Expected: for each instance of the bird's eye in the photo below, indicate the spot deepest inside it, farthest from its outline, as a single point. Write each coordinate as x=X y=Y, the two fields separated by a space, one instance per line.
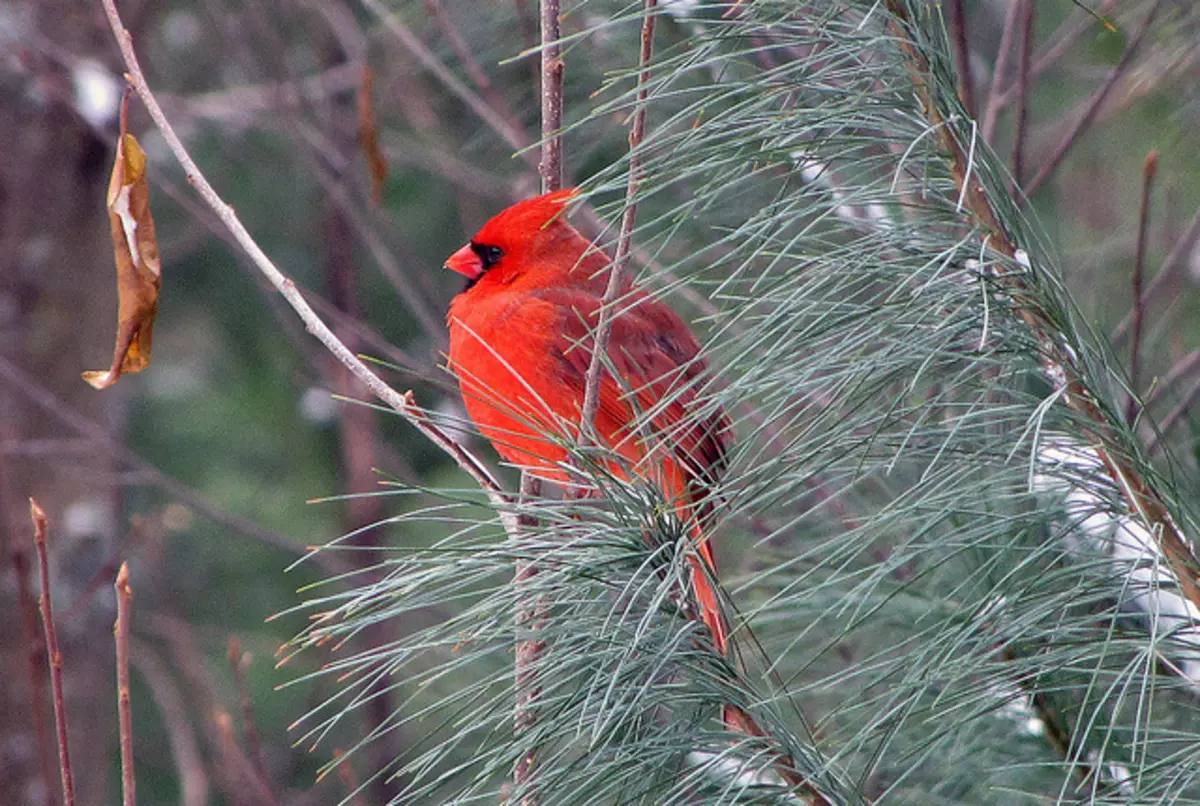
x=488 y=255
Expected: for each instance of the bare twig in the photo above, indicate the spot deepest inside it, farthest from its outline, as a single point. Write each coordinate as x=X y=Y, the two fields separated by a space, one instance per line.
x=239 y=661
x=991 y=109
x=550 y=166
x=1135 y=343
x=37 y=700
x=1018 y=149
x=1092 y=105
x=530 y=617
x=239 y=764
x=962 y=55
x=403 y=404
x=637 y=130
x=53 y=653
x=1175 y=261
x=124 y=703
x=1180 y=369
x=1057 y=43
x=1174 y=417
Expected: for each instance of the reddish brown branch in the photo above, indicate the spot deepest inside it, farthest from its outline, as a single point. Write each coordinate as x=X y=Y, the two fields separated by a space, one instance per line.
x=1092 y=106
x=550 y=167
x=991 y=109
x=1135 y=343
x=1175 y=261
x=239 y=662
x=37 y=687
x=124 y=703
x=962 y=56
x=53 y=653
x=1018 y=150
x=530 y=617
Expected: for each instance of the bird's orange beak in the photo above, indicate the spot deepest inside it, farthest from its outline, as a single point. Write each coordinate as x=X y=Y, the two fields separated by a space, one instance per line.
x=466 y=263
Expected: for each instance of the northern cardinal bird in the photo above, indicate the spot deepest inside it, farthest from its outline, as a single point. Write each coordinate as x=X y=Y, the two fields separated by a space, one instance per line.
x=521 y=340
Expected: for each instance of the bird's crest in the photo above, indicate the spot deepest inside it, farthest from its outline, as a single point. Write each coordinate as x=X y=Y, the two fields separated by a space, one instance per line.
x=527 y=216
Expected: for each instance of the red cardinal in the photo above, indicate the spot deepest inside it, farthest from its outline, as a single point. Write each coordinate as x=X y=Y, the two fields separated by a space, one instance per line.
x=521 y=342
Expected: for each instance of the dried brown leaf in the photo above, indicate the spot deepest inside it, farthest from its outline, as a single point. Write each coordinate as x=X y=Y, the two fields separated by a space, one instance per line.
x=139 y=274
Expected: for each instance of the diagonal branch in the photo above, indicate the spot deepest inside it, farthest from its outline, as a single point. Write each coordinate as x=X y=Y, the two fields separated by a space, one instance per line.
x=637 y=131
x=403 y=404
x=1093 y=105
x=1175 y=261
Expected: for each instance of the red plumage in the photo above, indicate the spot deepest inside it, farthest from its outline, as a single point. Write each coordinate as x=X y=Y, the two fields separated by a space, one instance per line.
x=521 y=342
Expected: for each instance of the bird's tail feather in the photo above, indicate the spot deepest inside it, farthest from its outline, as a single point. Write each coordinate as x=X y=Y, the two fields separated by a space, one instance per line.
x=704 y=570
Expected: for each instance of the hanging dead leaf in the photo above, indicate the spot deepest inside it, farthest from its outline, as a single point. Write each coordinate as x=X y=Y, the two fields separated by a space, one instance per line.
x=368 y=137
x=139 y=273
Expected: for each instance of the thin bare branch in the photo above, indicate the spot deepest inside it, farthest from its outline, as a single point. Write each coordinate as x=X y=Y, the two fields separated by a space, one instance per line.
x=239 y=661
x=36 y=649
x=53 y=653
x=1092 y=105
x=1135 y=344
x=124 y=702
x=637 y=130
x=530 y=618
x=1018 y=149
x=550 y=166
x=1175 y=261
x=991 y=108
x=403 y=404
x=962 y=55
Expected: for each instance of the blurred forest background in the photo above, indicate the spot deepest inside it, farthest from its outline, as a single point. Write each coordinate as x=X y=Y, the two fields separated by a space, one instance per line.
x=199 y=471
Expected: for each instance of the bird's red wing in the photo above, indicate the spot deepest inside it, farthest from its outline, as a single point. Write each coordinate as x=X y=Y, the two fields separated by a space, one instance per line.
x=657 y=366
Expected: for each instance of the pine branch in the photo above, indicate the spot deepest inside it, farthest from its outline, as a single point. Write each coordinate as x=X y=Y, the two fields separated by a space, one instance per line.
x=1060 y=366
